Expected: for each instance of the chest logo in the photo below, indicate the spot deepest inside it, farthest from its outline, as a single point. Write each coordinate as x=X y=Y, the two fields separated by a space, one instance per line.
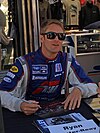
x=58 y=67
x=39 y=69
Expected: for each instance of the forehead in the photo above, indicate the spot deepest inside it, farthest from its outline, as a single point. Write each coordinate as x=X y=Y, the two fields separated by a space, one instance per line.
x=54 y=27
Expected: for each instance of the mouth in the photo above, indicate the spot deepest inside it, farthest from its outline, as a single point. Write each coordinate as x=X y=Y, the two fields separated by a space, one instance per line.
x=55 y=44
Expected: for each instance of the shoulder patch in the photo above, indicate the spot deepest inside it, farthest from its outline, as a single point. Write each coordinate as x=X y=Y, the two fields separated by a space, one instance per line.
x=14 y=69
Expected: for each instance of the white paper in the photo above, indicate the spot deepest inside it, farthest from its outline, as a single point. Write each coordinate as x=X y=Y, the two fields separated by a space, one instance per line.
x=87 y=126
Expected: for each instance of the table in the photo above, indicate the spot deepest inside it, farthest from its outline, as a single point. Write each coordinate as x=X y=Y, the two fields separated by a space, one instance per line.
x=17 y=122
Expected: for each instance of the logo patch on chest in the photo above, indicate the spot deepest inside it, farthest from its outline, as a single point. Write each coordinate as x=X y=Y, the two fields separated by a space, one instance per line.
x=39 y=77
x=58 y=67
x=39 y=69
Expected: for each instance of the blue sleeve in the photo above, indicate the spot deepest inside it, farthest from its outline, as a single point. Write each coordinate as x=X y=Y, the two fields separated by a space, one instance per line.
x=12 y=78
x=79 y=72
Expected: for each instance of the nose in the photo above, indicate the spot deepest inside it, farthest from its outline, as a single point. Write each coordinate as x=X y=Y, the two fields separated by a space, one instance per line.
x=57 y=41
x=56 y=38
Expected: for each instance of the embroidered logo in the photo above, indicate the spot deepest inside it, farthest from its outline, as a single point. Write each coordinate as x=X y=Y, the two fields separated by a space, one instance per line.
x=39 y=77
x=14 y=69
x=9 y=74
x=7 y=79
x=39 y=69
x=58 y=67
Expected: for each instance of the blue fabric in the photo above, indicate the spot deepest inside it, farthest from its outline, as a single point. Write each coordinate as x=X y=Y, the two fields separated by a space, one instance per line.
x=46 y=77
x=13 y=76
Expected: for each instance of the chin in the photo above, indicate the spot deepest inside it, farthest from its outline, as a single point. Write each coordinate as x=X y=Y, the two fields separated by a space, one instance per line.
x=55 y=52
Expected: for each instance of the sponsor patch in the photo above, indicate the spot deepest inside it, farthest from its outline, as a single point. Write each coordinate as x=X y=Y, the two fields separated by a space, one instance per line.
x=39 y=77
x=14 y=69
x=11 y=75
x=50 y=89
x=39 y=69
x=7 y=79
x=58 y=67
x=59 y=74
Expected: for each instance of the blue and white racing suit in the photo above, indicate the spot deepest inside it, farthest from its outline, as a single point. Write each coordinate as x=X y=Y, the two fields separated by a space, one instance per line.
x=33 y=76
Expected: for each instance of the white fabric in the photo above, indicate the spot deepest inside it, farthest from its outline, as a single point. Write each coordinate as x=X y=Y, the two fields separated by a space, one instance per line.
x=72 y=11
x=12 y=100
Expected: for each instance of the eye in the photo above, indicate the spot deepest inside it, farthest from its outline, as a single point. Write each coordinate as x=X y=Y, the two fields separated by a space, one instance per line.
x=51 y=35
x=61 y=36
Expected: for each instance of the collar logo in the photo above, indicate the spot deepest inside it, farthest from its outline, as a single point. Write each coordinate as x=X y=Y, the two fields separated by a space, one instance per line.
x=14 y=69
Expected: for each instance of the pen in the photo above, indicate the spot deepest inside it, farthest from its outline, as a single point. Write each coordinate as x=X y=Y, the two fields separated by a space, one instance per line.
x=26 y=101
x=97 y=111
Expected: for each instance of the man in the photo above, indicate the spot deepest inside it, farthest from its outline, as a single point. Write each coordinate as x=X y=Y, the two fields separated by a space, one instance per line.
x=40 y=76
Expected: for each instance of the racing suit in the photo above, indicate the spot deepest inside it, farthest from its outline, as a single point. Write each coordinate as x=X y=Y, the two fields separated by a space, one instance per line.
x=33 y=76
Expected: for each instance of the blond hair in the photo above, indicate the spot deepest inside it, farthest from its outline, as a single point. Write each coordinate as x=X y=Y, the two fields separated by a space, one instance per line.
x=48 y=22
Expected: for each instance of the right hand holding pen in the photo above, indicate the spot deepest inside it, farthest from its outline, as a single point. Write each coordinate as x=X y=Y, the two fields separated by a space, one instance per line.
x=29 y=107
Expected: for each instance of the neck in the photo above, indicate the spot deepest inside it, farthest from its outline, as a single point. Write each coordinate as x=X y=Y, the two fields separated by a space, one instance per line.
x=49 y=55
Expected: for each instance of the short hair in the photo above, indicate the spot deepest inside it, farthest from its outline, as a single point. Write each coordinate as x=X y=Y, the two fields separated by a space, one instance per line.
x=48 y=22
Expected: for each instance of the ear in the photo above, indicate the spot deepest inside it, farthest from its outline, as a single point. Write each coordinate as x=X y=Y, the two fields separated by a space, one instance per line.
x=41 y=38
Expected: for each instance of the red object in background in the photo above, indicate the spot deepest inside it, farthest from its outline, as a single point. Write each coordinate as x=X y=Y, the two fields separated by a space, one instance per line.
x=83 y=2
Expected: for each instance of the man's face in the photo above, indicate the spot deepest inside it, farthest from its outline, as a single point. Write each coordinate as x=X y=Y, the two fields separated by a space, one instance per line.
x=50 y=47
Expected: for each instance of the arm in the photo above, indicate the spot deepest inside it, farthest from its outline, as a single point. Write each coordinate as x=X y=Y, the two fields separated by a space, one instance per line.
x=14 y=103
x=9 y=101
x=13 y=90
x=82 y=86
x=78 y=78
x=10 y=93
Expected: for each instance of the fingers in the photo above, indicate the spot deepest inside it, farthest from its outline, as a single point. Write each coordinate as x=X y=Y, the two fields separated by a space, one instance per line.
x=29 y=107
x=98 y=90
x=79 y=102
x=30 y=112
x=73 y=100
x=71 y=104
x=99 y=84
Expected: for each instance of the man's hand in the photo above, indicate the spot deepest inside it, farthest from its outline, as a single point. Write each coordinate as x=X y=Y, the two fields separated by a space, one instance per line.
x=98 y=90
x=73 y=100
x=29 y=107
